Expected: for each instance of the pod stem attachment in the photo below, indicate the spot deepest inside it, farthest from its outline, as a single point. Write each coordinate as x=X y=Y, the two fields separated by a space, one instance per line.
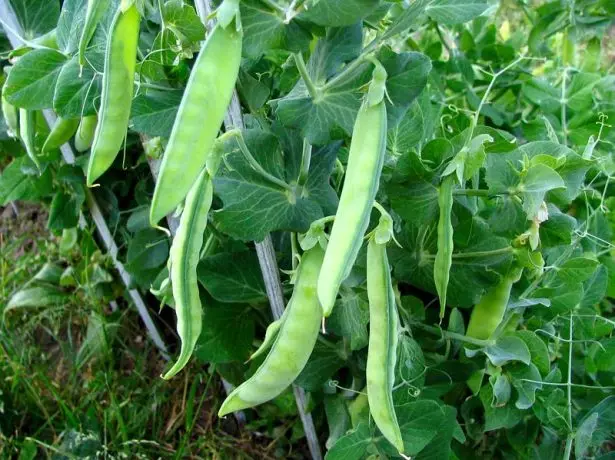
x=236 y=133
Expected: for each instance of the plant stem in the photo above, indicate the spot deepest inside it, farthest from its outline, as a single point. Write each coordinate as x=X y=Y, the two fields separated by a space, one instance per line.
x=304 y=169
x=309 y=83
x=483 y=101
x=564 y=103
x=469 y=255
x=349 y=69
x=569 y=392
x=453 y=335
x=255 y=164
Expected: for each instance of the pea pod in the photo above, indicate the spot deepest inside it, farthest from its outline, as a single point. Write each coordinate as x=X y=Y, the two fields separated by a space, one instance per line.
x=27 y=131
x=199 y=118
x=383 y=338
x=62 y=131
x=293 y=345
x=11 y=117
x=94 y=11
x=85 y=133
x=365 y=161
x=444 y=256
x=489 y=311
x=117 y=91
x=185 y=252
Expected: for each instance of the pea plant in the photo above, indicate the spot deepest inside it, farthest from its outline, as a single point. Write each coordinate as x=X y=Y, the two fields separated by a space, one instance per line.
x=425 y=184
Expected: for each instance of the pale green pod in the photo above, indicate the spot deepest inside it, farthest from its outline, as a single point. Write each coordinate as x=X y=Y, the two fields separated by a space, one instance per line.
x=293 y=345
x=382 y=351
x=27 y=132
x=117 y=92
x=11 y=117
x=185 y=252
x=365 y=160
x=199 y=118
x=93 y=14
x=85 y=133
x=444 y=255
x=62 y=131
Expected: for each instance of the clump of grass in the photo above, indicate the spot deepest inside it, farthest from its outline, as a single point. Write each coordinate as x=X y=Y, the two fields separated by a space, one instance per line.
x=79 y=379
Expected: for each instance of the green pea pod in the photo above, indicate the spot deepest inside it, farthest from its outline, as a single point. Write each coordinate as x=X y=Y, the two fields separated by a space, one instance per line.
x=117 y=91
x=366 y=157
x=27 y=131
x=85 y=133
x=11 y=117
x=382 y=351
x=444 y=256
x=489 y=311
x=185 y=252
x=93 y=14
x=199 y=118
x=293 y=345
x=62 y=131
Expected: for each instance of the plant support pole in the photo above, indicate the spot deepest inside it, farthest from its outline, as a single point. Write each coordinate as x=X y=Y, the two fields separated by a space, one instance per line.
x=8 y=15
x=266 y=257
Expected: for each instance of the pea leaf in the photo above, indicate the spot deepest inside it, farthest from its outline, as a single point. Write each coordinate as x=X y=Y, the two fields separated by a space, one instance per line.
x=148 y=249
x=36 y=17
x=538 y=350
x=469 y=277
x=64 y=211
x=154 y=113
x=32 y=80
x=578 y=269
x=333 y=114
x=338 y=13
x=455 y=11
x=227 y=333
x=353 y=445
x=183 y=21
x=350 y=317
x=254 y=206
x=267 y=29
x=498 y=417
x=323 y=362
x=506 y=349
x=233 y=277
x=78 y=90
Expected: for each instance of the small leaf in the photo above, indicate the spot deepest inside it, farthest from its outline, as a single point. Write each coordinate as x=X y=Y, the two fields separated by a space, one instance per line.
x=40 y=296
x=577 y=270
x=508 y=348
x=351 y=446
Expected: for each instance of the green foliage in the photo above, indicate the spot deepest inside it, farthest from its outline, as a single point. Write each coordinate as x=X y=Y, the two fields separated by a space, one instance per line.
x=499 y=157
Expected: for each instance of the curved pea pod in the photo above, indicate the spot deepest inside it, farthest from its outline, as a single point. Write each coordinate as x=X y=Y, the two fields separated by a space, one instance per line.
x=27 y=132
x=382 y=351
x=185 y=252
x=366 y=157
x=11 y=117
x=293 y=345
x=85 y=133
x=444 y=255
x=62 y=131
x=117 y=91
x=488 y=313
x=199 y=118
